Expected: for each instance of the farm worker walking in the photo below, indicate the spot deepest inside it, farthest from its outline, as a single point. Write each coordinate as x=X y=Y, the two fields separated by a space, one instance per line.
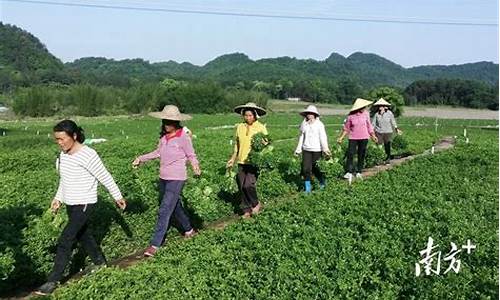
x=359 y=128
x=384 y=124
x=247 y=173
x=312 y=143
x=80 y=169
x=174 y=150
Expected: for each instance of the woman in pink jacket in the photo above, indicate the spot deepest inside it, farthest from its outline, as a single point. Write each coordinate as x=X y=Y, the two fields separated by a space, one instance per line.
x=174 y=149
x=360 y=129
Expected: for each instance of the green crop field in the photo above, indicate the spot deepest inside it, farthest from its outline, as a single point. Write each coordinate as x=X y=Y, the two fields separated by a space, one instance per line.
x=359 y=241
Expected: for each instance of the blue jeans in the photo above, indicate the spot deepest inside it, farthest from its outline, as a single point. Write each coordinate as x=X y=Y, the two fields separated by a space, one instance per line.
x=170 y=205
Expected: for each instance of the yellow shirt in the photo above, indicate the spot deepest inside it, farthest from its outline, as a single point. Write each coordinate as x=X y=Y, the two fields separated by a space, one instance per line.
x=244 y=133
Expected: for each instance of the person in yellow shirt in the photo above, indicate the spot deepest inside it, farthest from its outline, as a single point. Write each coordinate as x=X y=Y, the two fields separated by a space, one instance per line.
x=247 y=173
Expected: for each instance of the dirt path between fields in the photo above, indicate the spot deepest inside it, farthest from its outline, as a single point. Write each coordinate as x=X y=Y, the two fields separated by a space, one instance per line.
x=124 y=262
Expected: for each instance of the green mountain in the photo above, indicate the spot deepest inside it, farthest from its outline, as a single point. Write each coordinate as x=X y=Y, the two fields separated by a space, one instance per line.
x=24 y=60
x=22 y=51
x=369 y=69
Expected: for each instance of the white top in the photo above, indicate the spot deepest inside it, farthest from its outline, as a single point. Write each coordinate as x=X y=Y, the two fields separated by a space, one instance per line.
x=312 y=137
x=80 y=173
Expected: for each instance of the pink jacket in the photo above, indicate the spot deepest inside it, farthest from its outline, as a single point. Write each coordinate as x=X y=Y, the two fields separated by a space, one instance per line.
x=173 y=154
x=359 y=126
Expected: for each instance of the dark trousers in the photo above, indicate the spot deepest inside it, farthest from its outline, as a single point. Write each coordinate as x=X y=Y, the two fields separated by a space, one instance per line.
x=309 y=166
x=247 y=183
x=385 y=138
x=77 y=229
x=387 y=148
x=360 y=146
x=170 y=205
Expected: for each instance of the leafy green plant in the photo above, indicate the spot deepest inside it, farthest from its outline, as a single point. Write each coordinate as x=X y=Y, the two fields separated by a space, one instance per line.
x=399 y=143
x=332 y=168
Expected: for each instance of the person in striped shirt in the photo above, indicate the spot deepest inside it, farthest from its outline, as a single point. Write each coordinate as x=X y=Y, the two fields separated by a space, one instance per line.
x=80 y=171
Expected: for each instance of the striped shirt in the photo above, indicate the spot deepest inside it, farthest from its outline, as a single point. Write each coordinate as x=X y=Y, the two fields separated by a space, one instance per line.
x=80 y=173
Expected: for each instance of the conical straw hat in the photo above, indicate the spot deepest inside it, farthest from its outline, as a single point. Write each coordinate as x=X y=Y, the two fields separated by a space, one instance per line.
x=260 y=111
x=360 y=103
x=381 y=102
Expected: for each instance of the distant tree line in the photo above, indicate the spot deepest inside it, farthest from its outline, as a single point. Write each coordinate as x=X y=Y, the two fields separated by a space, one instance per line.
x=90 y=100
x=456 y=92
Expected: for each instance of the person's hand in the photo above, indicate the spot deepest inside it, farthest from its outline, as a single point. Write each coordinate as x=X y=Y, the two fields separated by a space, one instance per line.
x=327 y=153
x=296 y=153
x=55 y=205
x=375 y=139
x=230 y=163
x=197 y=170
x=399 y=131
x=136 y=163
x=339 y=140
x=122 y=203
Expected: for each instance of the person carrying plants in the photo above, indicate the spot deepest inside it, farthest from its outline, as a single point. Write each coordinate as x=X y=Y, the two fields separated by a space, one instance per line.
x=174 y=150
x=80 y=169
x=247 y=173
x=312 y=143
x=360 y=129
x=384 y=124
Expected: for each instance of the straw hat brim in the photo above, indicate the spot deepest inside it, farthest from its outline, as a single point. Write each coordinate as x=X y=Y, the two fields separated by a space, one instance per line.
x=163 y=115
x=360 y=103
x=260 y=111
x=381 y=102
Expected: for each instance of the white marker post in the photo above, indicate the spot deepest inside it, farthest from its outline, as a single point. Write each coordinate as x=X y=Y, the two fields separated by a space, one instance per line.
x=436 y=126
x=432 y=150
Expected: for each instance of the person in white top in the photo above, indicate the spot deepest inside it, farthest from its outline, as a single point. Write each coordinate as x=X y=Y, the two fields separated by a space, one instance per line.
x=80 y=169
x=312 y=143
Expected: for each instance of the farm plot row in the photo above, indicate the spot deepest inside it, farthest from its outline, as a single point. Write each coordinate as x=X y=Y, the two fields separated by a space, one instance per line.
x=346 y=242
x=29 y=232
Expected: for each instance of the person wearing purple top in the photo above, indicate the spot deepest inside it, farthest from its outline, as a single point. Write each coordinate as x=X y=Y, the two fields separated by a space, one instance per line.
x=174 y=150
x=360 y=129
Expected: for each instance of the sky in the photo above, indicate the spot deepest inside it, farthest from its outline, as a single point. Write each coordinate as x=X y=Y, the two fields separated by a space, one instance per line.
x=199 y=31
